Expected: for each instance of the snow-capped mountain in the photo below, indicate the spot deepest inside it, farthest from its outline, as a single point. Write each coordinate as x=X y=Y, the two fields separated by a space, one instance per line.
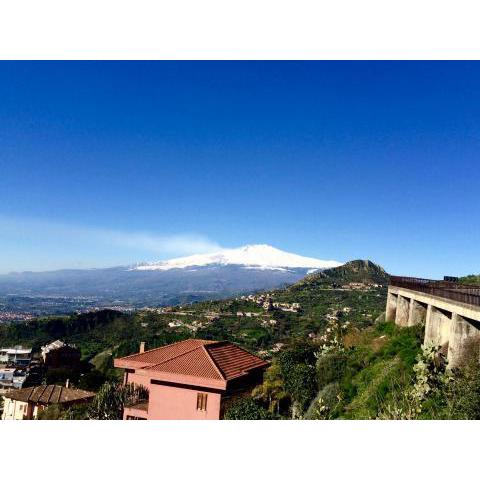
x=261 y=257
x=222 y=274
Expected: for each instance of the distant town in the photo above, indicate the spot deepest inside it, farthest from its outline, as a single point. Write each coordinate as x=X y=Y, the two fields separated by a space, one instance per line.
x=20 y=308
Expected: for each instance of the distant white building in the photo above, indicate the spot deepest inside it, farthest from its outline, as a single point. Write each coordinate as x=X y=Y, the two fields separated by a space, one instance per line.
x=17 y=355
x=11 y=378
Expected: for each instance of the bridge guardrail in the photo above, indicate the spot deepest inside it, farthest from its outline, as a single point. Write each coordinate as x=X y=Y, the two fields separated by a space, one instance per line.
x=468 y=294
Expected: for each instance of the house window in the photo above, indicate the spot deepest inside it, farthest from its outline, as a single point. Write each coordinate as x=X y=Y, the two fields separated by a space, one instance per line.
x=202 y=401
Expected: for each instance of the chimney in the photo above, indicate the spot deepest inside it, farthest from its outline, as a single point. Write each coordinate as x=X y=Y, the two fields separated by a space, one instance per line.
x=67 y=383
x=142 y=347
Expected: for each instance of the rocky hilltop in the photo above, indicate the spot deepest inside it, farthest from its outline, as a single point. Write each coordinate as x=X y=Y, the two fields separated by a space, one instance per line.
x=355 y=271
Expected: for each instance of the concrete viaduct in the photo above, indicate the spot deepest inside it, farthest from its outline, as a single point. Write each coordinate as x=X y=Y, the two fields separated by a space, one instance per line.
x=449 y=310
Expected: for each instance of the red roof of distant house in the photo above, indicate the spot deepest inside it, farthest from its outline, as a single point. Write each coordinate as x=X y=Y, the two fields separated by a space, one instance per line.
x=198 y=358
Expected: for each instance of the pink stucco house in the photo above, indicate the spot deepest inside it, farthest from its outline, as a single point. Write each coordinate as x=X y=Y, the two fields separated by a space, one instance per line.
x=190 y=380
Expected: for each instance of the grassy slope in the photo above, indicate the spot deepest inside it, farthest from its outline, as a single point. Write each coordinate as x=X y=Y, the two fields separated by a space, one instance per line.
x=379 y=365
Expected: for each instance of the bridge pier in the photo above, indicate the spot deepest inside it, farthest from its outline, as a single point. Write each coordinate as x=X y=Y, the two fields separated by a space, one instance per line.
x=402 y=311
x=451 y=323
x=437 y=326
x=464 y=341
x=417 y=314
x=391 y=307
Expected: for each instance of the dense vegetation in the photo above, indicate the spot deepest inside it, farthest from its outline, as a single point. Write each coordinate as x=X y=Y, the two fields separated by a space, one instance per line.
x=334 y=358
x=470 y=280
x=321 y=295
x=100 y=336
x=354 y=374
x=106 y=334
x=382 y=372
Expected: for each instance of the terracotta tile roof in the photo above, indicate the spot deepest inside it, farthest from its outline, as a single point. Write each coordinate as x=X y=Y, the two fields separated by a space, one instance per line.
x=48 y=394
x=195 y=363
x=233 y=361
x=162 y=354
x=197 y=358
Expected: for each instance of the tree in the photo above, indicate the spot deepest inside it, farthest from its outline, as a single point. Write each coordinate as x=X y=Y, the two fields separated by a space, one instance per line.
x=297 y=366
x=78 y=411
x=300 y=352
x=302 y=386
x=58 y=376
x=272 y=390
x=246 y=409
x=92 y=380
x=112 y=398
x=52 y=412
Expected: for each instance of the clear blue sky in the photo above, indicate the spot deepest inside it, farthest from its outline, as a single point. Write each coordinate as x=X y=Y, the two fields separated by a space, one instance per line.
x=107 y=163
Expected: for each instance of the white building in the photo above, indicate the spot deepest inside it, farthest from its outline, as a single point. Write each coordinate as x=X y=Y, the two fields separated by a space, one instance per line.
x=11 y=378
x=17 y=355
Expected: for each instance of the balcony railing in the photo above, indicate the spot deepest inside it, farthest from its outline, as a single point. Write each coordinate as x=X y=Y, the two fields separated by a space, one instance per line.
x=469 y=294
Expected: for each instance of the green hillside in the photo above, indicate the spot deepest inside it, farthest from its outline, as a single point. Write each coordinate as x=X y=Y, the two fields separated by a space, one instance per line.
x=330 y=293
x=320 y=296
x=107 y=334
x=331 y=356
x=364 y=271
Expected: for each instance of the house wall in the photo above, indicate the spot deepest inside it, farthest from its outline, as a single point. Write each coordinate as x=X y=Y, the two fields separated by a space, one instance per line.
x=178 y=403
x=14 y=410
x=132 y=377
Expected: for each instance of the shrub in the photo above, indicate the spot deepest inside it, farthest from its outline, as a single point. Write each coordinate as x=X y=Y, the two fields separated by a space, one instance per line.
x=58 y=376
x=77 y=412
x=302 y=387
x=330 y=368
x=92 y=381
x=53 y=412
x=426 y=397
x=246 y=409
x=324 y=404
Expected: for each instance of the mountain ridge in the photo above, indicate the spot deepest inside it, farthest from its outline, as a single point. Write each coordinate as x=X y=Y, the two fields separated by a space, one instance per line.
x=169 y=286
x=261 y=256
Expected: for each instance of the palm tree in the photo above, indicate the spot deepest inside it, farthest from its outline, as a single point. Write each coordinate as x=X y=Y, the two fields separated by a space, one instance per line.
x=112 y=398
x=272 y=390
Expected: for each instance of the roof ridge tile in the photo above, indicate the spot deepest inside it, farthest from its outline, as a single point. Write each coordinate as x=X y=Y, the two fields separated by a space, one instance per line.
x=174 y=356
x=199 y=342
x=212 y=361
